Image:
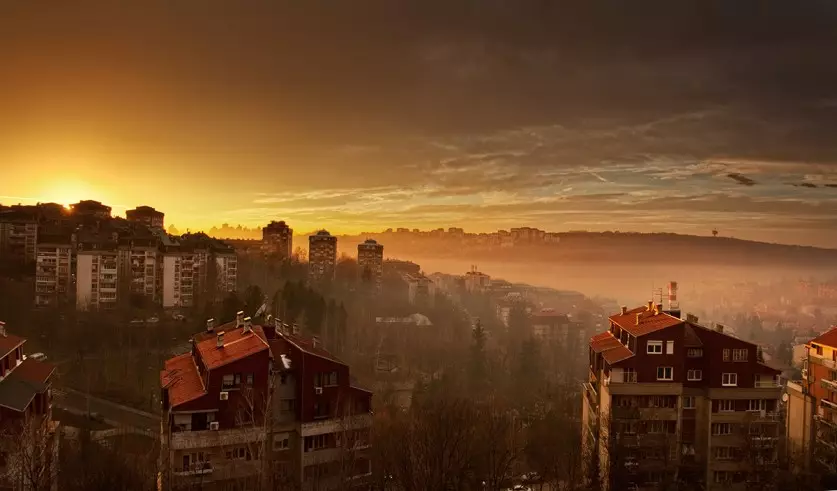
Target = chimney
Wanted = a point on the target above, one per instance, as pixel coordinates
(658, 308)
(624, 309)
(2, 329)
(316, 341)
(637, 319)
(219, 340)
(295, 329)
(650, 305)
(719, 327)
(248, 324)
(239, 318)
(210, 325)
(759, 354)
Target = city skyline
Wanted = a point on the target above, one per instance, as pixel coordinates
(246, 119)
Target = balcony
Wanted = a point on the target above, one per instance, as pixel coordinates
(336, 425)
(621, 378)
(183, 440)
(195, 469)
(828, 404)
(819, 360)
(828, 384)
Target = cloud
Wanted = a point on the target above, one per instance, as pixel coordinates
(741, 179)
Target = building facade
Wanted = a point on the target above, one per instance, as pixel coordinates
(278, 238)
(146, 215)
(55, 272)
(812, 406)
(370, 261)
(30, 441)
(18, 236)
(476, 281)
(261, 406)
(669, 401)
(322, 256)
(97, 277)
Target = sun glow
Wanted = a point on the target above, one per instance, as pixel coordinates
(66, 192)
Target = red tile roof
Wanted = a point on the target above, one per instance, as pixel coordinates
(648, 321)
(237, 345)
(612, 349)
(8, 343)
(35, 371)
(180, 377)
(617, 354)
(828, 338)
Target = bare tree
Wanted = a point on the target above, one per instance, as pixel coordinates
(29, 447)
(499, 441)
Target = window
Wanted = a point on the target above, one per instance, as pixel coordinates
(818, 348)
(669, 347)
(723, 476)
(721, 429)
(286, 405)
(729, 379)
(694, 375)
(227, 382)
(629, 427)
(694, 352)
(665, 373)
(659, 426)
(322, 410)
(654, 347)
(315, 442)
(249, 379)
(237, 379)
(240, 453)
(318, 379)
(726, 405)
(662, 401)
(757, 405)
(739, 355)
(726, 355)
(331, 378)
(725, 453)
(688, 402)
(281, 442)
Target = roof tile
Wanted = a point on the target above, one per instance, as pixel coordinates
(648, 321)
(237, 345)
(180, 377)
(828, 338)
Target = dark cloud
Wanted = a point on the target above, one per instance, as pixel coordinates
(741, 179)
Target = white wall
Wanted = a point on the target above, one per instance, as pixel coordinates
(84, 277)
(169, 278)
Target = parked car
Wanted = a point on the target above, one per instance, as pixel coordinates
(152, 320)
(38, 356)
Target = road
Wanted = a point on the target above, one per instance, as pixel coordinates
(114, 414)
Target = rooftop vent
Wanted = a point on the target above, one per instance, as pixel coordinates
(658, 308)
(210, 325)
(239, 318)
(248, 324)
(316, 341)
(295, 329)
(691, 318)
(637, 319)
(219, 340)
(650, 306)
(719, 327)
(624, 309)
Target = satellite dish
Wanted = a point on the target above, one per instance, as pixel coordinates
(785, 397)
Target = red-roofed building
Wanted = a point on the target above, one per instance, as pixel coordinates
(812, 405)
(262, 405)
(670, 399)
(28, 441)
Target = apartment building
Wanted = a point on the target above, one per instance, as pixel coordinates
(196, 268)
(370, 261)
(812, 406)
(140, 267)
(476, 281)
(549, 325)
(97, 276)
(322, 256)
(420, 289)
(261, 404)
(278, 238)
(147, 216)
(90, 209)
(320, 431)
(668, 398)
(18, 235)
(29, 447)
(54, 271)
(215, 400)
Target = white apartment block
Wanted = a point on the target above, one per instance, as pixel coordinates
(143, 265)
(227, 272)
(171, 281)
(97, 275)
(53, 273)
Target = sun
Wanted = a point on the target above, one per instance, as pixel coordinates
(66, 192)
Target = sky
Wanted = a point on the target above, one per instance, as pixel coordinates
(679, 116)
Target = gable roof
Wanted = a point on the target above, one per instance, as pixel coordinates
(237, 345)
(27, 380)
(8, 343)
(690, 337)
(181, 379)
(612, 350)
(641, 321)
(828, 338)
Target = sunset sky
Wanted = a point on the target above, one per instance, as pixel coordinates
(669, 116)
